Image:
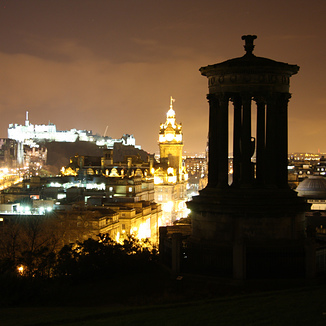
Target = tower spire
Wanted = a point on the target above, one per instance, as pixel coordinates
(26, 121)
(171, 102)
(171, 112)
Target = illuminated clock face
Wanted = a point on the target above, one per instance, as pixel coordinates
(169, 137)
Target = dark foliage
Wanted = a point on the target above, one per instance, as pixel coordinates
(91, 260)
(104, 258)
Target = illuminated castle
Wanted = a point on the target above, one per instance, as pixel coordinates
(30, 134)
(170, 178)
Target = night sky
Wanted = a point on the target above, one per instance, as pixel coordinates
(89, 64)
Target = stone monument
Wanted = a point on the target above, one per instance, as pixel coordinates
(255, 226)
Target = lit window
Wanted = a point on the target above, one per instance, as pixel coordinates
(130, 189)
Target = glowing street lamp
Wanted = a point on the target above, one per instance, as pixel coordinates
(20, 269)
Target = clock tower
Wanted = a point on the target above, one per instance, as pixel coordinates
(171, 142)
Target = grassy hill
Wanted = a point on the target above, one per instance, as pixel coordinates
(158, 299)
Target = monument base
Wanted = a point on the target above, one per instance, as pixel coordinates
(251, 233)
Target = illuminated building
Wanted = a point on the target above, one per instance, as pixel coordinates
(25, 160)
(94, 195)
(127, 180)
(171, 143)
(302, 157)
(170, 177)
(304, 165)
(84, 209)
(320, 167)
(114, 220)
(40, 145)
(11, 158)
(30, 134)
(129, 183)
(197, 174)
(11, 153)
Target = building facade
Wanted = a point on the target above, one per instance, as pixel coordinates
(93, 196)
(197, 174)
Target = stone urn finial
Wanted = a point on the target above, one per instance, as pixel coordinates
(249, 43)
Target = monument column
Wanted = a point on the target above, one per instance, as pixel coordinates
(213, 141)
(236, 139)
(246, 143)
(223, 148)
(271, 142)
(260, 140)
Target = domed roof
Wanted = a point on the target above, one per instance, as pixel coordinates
(312, 187)
(170, 114)
(248, 62)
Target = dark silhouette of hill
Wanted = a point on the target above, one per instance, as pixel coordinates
(59, 153)
(120, 152)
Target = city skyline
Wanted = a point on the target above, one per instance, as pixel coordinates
(97, 65)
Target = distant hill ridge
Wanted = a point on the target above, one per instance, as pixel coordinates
(59, 153)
